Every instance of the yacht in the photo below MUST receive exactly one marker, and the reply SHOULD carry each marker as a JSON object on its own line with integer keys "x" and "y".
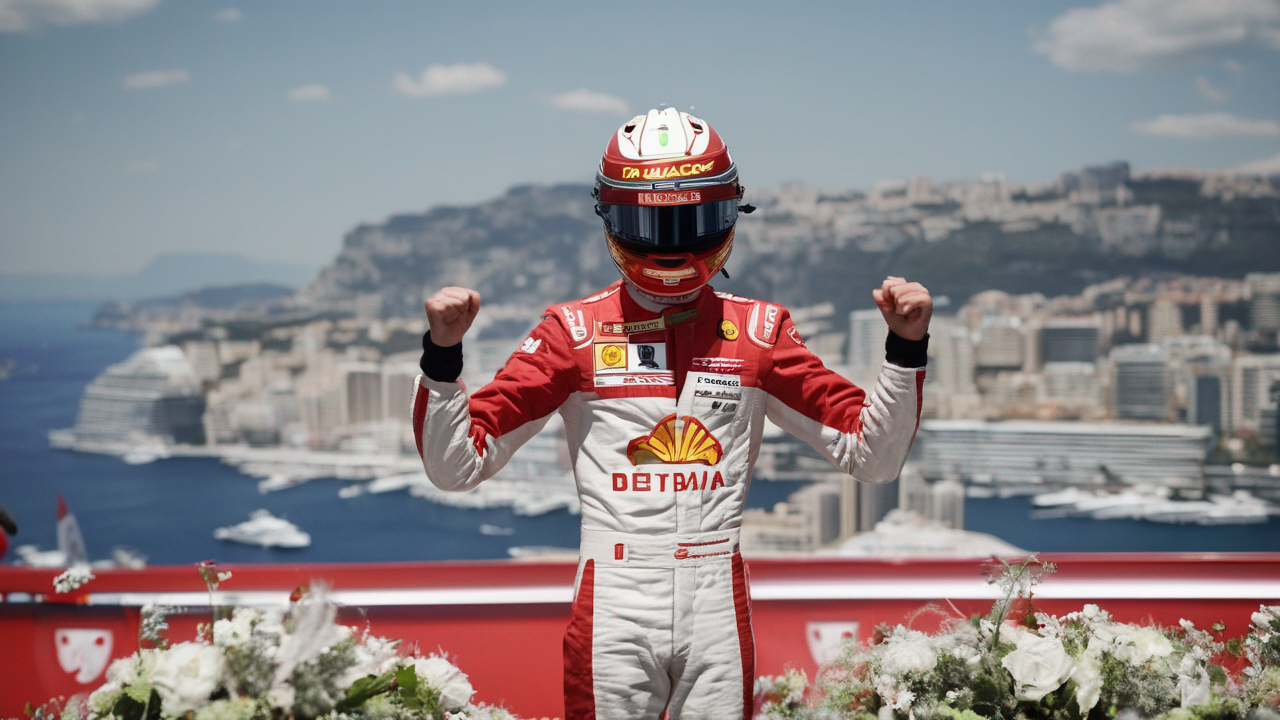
{"x": 264, "y": 529}
{"x": 137, "y": 408}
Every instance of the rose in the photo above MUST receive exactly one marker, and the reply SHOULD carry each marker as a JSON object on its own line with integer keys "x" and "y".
{"x": 185, "y": 676}
{"x": 1088, "y": 679}
{"x": 455, "y": 689}
{"x": 1039, "y": 665}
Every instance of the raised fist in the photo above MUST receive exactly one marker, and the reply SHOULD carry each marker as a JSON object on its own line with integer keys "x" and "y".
{"x": 450, "y": 313}
{"x": 907, "y": 307}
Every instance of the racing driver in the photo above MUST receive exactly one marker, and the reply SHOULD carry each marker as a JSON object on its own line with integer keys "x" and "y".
{"x": 664, "y": 386}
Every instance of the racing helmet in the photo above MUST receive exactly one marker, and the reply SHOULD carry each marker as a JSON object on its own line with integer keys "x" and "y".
{"x": 668, "y": 193}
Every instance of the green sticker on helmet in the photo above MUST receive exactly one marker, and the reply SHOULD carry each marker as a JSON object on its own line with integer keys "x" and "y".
{"x": 662, "y": 138}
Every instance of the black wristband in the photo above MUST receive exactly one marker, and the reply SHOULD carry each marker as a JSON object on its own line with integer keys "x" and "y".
{"x": 906, "y": 353}
{"x": 442, "y": 364}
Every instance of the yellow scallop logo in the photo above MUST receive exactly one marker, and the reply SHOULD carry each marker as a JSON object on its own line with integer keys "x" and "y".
{"x": 728, "y": 330}
{"x": 612, "y": 355}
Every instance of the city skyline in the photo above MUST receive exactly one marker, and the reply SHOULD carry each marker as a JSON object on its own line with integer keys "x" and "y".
{"x": 138, "y": 127}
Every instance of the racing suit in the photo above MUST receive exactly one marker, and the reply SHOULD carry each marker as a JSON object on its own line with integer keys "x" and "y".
{"x": 663, "y": 414}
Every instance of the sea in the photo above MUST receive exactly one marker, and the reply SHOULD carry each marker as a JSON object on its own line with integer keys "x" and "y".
{"x": 168, "y": 510}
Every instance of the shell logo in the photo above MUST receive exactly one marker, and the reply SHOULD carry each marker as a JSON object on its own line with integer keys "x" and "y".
{"x": 673, "y": 441}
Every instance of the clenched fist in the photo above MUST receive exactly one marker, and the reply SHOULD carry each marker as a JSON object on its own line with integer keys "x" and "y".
{"x": 450, "y": 313}
{"x": 907, "y": 307}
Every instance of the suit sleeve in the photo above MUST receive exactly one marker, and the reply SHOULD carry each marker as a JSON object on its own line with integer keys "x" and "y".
{"x": 465, "y": 440}
{"x": 866, "y": 436}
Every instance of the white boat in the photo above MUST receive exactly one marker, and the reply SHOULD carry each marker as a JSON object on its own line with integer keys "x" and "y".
{"x": 264, "y": 529}
{"x": 1239, "y": 508}
{"x": 390, "y": 483}
{"x": 496, "y": 530}
{"x": 280, "y": 481}
{"x": 1062, "y": 498}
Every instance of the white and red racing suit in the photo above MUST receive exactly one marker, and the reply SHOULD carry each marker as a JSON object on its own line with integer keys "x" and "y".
{"x": 663, "y": 414}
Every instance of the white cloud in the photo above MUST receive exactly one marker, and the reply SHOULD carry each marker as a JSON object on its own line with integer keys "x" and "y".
{"x": 449, "y": 80}
{"x": 1207, "y": 125}
{"x": 1233, "y": 65}
{"x": 20, "y": 15}
{"x": 143, "y": 167}
{"x": 156, "y": 79}
{"x": 1209, "y": 90}
{"x": 1265, "y": 166}
{"x": 229, "y": 15}
{"x": 310, "y": 93}
{"x": 1131, "y": 35}
{"x": 586, "y": 101}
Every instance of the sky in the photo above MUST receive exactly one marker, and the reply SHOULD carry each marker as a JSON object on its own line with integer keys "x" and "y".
{"x": 132, "y": 128}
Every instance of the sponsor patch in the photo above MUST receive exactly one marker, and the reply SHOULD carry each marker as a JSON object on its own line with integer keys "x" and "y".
{"x": 718, "y": 364}
{"x": 626, "y": 379}
{"x": 611, "y": 356}
{"x": 530, "y": 345}
{"x": 576, "y": 323}
{"x": 795, "y": 335}
{"x": 621, "y": 363}
{"x": 676, "y": 440}
{"x": 670, "y": 198}
{"x": 764, "y": 323}
{"x": 727, "y": 330}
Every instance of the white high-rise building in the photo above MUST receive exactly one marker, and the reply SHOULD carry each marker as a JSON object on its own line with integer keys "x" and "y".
{"x": 1251, "y": 378}
{"x": 867, "y": 333}
{"x": 1142, "y": 382}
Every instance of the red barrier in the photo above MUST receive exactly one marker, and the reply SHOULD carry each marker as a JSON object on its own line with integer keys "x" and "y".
{"x": 502, "y": 621}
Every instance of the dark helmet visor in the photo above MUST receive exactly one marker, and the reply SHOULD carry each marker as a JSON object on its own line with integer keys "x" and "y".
{"x": 675, "y": 228}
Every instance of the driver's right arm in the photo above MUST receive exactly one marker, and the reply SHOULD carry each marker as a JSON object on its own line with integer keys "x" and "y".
{"x": 463, "y": 441}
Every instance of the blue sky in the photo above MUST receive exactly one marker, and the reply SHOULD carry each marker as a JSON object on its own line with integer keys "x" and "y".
{"x": 130, "y": 128}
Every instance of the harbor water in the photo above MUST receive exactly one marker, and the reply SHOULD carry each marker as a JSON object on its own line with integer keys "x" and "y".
{"x": 167, "y": 510}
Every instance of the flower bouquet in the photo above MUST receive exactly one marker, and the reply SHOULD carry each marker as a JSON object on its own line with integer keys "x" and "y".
{"x": 271, "y": 664}
{"x": 1081, "y": 665}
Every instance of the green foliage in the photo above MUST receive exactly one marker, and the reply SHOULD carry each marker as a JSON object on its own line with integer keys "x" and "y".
{"x": 365, "y": 689}
{"x": 129, "y": 707}
{"x": 416, "y": 695}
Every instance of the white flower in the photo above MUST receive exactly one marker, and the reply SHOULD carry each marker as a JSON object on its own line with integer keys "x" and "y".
{"x": 74, "y": 577}
{"x": 1050, "y": 626}
{"x": 455, "y": 689}
{"x": 1142, "y": 645}
{"x": 1193, "y": 680}
{"x": 1039, "y": 665}
{"x": 1088, "y": 679}
{"x": 904, "y": 699}
{"x": 1265, "y": 616}
{"x": 104, "y": 698}
{"x": 281, "y": 696}
{"x": 184, "y": 676}
{"x": 374, "y": 656}
{"x": 907, "y": 651}
{"x": 238, "y": 630}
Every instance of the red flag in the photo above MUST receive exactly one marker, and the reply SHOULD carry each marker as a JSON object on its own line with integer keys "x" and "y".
{"x": 70, "y": 542}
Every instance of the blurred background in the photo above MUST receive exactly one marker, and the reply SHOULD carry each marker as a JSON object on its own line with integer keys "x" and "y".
{"x": 219, "y": 222}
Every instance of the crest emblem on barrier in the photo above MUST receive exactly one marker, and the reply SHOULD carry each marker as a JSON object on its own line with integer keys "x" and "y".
{"x": 83, "y": 651}
{"x": 676, "y": 440}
